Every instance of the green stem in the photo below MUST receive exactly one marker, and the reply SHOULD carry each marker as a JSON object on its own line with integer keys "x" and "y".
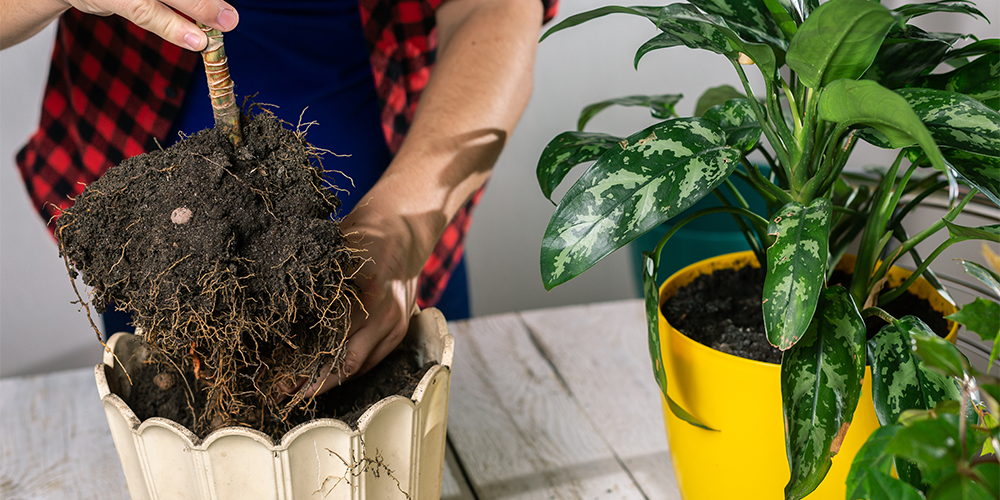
{"x": 914, "y": 241}
{"x": 758, "y": 223}
{"x": 877, "y": 311}
{"x": 871, "y": 238}
{"x": 768, "y": 190}
{"x": 807, "y": 140}
{"x": 779, "y": 147}
{"x": 220, "y": 86}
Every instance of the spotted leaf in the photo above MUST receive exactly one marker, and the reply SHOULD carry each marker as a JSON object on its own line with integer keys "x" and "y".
{"x": 979, "y": 79}
{"x": 646, "y": 179}
{"x": 737, "y": 119}
{"x": 650, "y": 263}
{"x": 660, "y": 106}
{"x": 906, "y": 54}
{"x": 796, "y": 267}
{"x": 900, "y": 380}
{"x": 820, "y": 388}
{"x": 839, "y": 40}
{"x": 577, "y": 19}
{"x": 956, "y": 121}
{"x": 979, "y": 171}
{"x": 566, "y": 151}
{"x": 751, "y": 18}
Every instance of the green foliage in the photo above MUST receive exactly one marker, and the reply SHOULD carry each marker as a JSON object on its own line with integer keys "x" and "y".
{"x": 833, "y": 73}
{"x": 820, "y": 383}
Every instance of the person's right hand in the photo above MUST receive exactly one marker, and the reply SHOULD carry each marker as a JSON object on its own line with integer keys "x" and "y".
{"x": 158, "y": 17}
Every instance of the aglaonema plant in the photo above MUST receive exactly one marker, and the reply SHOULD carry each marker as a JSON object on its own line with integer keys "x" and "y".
{"x": 945, "y": 445}
{"x": 833, "y": 74}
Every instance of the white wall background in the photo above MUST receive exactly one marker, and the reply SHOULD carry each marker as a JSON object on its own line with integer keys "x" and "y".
{"x": 40, "y": 330}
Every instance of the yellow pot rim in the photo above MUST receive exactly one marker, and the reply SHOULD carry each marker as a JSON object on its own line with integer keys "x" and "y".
{"x": 737, "y": 260}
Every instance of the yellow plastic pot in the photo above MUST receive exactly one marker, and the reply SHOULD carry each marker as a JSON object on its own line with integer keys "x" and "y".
{"x": 741, "y": 398}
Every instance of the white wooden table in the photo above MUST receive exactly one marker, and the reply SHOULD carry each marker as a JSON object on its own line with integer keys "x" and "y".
{"x": 547, "y": 404}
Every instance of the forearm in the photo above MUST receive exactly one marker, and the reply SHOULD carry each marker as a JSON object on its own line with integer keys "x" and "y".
{"x": 22, "y": 19}
{"x": 478, "y": 89}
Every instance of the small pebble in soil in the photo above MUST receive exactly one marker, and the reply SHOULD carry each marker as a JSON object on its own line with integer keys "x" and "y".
{"x": 180, "y": 215}
{"x": 164, "y": 380}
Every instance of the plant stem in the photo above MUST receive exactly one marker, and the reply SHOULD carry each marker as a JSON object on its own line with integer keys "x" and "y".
{"x": 220, "y": 86}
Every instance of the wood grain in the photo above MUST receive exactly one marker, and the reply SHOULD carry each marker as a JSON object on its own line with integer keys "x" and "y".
{"x": 601, "y": 352}
{"x": 516, "y": 428}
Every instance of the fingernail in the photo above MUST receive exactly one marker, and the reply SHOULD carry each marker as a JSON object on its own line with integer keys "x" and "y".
{"x": 228, "y": 19}
{"x": 193, "y": 41}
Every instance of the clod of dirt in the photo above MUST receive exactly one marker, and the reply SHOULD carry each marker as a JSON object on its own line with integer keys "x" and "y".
{"x": 228, "y": 259}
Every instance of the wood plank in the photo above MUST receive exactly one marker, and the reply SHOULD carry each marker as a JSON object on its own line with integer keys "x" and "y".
{"x": 54, "y": 441}
{"x": 516, "y": 429}
{"x": 601, "y": 353}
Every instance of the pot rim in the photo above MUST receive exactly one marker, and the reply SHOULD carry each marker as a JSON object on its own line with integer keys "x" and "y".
{"x": 738, "y": 260}
{"x": 430, "y": 319}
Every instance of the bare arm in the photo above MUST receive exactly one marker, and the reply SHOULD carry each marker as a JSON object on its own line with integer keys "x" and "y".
{"x": 21, "y": 19}
{"x": 478, "y": 89}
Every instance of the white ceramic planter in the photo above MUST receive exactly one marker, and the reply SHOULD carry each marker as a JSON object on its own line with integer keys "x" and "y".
{"x": 163, "y": 460}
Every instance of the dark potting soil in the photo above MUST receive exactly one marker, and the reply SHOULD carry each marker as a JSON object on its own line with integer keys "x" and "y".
{"x": 722, "y": 310}
{"x": 158, "y": 392}
{"x": 229, "y": 259}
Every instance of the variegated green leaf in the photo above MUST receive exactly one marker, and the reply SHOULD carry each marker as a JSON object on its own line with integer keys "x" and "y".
{"x": 650, "y": 263}
{"x": 900, "y": 380}
{"x": 750, "y": 18}
{"x": 912, "y": 10}
{"x": 962, "y": 233}
{"x": 865, "y": 102}
{"x": 979, "y": 79}
{"x": 650, "y": 13}
{"x": 694, "y": 28}
{"x": 988, "y": 277}
{"x": 820, "y": 387}
{"x": 956, "y": 121}
{"x": 715, "y": 96}
{"x": 987, "y": 46}
{"x": 934, "y": 351}
{"x": 782, "y": 15}
{"x": 839, "y": 40}
{"x": 983, "y": 317}
{"x": 906, "y": 54}
{"x": 796, "y": 269}
{"x": 699, "y": 30}
{"x": 869, "y": 477}
{"x": 980, "y": 172}
{"x": 660, "y": 41}
{"x": 660, "y": 106}
{"x": 566, "y": 151}
{"x": 648, "y": 178}
{"x": 737, "y": 119}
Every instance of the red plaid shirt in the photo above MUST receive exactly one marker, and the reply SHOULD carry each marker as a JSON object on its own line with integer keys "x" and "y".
{"x": 114, "y": 90}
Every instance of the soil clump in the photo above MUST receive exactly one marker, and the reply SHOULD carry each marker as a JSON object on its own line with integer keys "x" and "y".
{"x": 722, "y": 310}
{"x": 398, "y": 374}
{"x": 229, "y": 260}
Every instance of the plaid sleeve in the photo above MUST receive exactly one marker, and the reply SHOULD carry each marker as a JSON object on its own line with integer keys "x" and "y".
{"x": 113, "y": 90}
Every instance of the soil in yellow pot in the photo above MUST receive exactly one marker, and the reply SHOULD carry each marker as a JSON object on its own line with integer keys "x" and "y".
{"x": 741, "y": 398}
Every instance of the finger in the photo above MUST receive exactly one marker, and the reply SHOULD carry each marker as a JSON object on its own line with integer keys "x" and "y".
{"x": 156, "y": 17}
{"x": 372, "y": 343}
{"x": 327, "y": 379}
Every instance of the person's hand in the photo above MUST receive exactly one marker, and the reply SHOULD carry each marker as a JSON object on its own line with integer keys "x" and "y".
{"x": 387, "y": 284}
{"x": 162, "y": 19}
